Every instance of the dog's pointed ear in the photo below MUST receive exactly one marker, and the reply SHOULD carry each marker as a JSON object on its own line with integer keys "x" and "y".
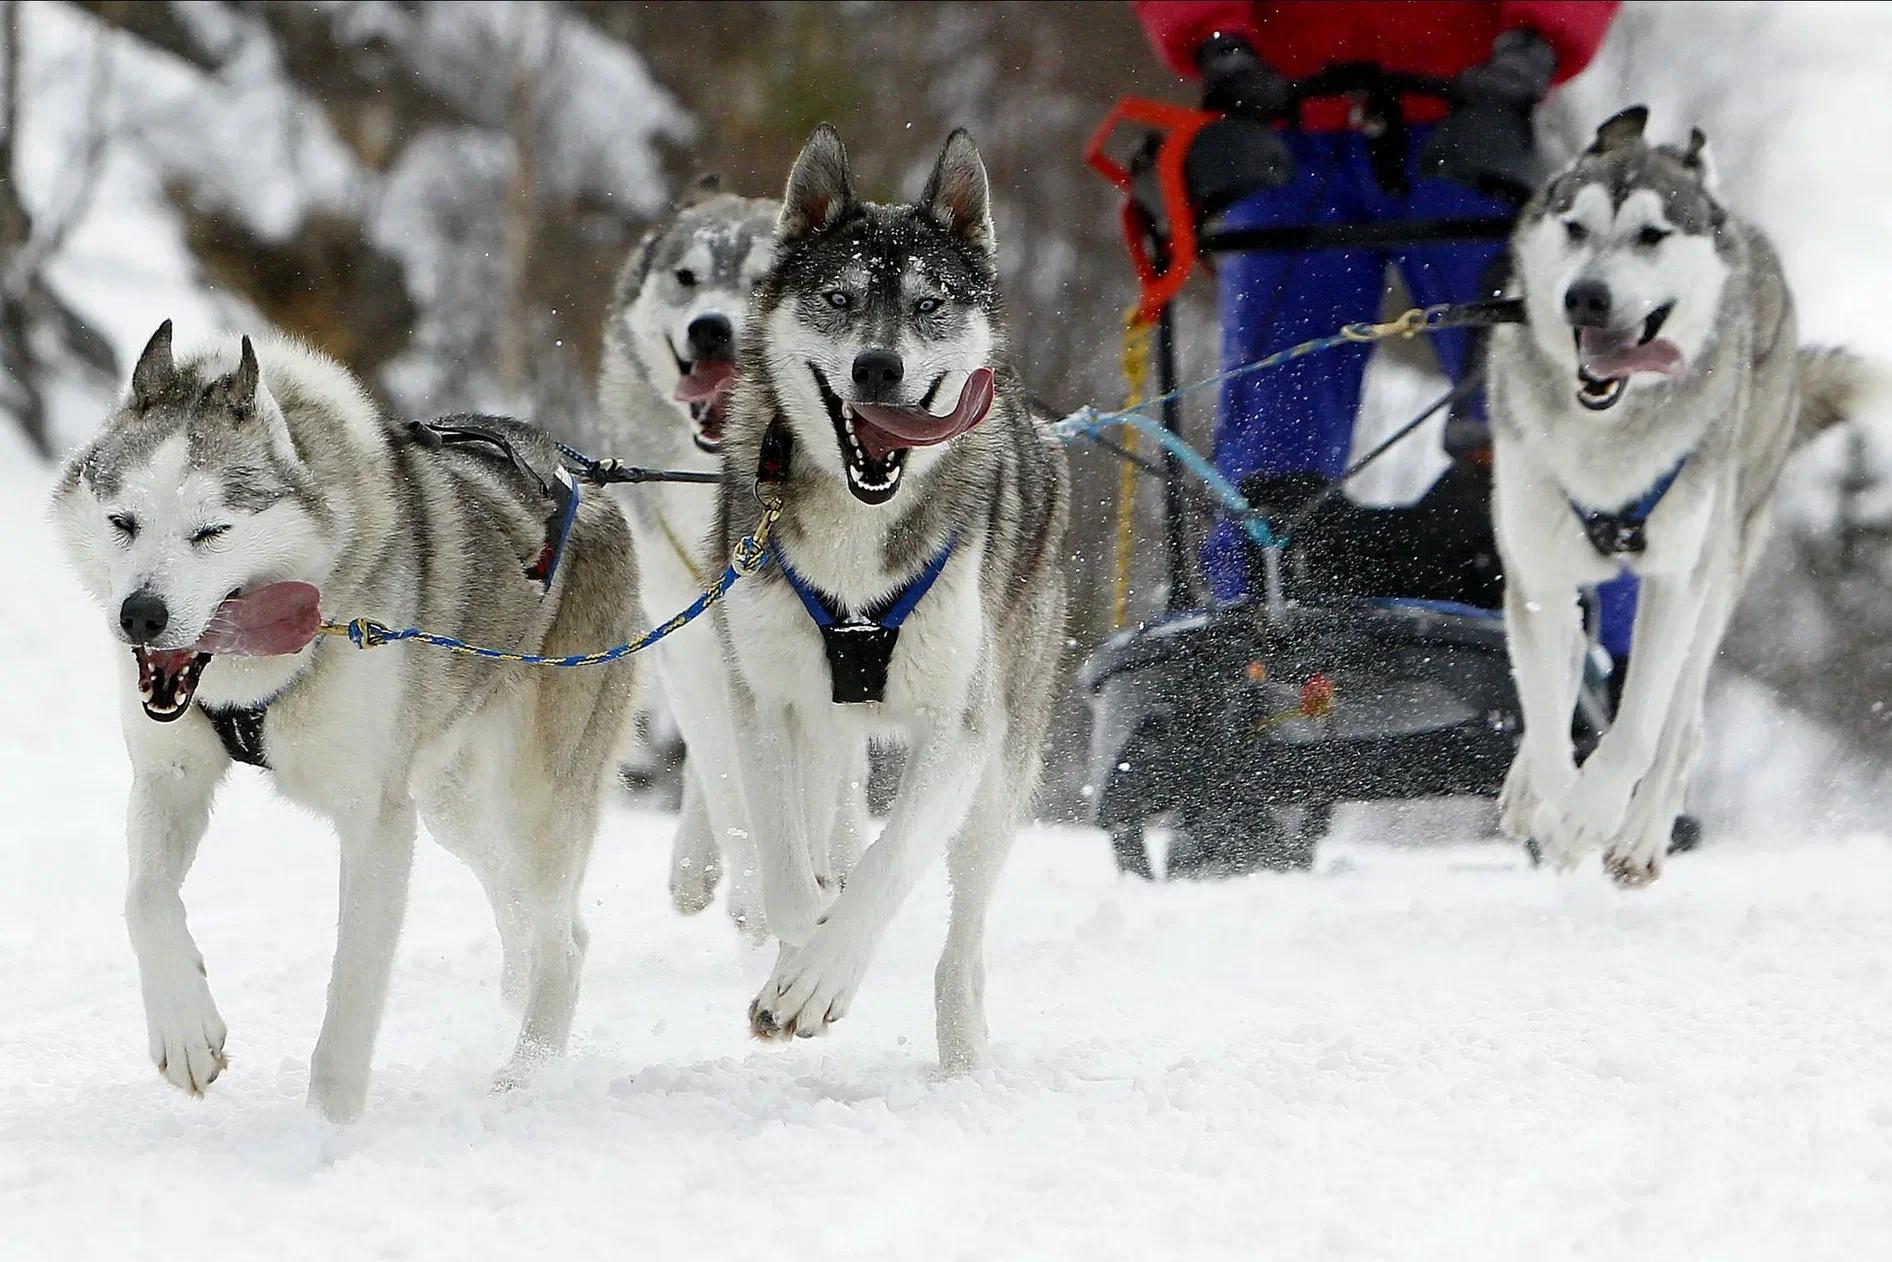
{"x": 819, "y": 188}
{"x": 1620, "y": 129}
{"x": 705, "y": 186}
{"x": 1698, "y": 159}
{"x": 155, "y": 370}
{"x": 238, "y": 390}
{"x": 958, "y": 196}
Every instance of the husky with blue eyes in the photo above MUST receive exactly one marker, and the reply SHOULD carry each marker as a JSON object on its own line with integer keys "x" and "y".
{"x": 1641, "y": 417}
{"x": 240, "y": 491}
{"x": 914, "y": 594}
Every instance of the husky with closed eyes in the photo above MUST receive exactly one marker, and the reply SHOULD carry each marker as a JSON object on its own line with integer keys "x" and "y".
{"x": 915, "y": 594}
{"x": 1641, "y": 417}
{"x": 675, "y": 321}
{"x": 232, "y": 490}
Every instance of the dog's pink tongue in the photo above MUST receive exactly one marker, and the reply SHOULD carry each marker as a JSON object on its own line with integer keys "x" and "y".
{"x": 279, "y": 618}
{"x": 883, "y": 430}
{"x": 1607, "y": 354}
{"x": 705, "y": 381}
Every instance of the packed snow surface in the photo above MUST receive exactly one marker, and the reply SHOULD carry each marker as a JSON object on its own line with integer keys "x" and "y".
{"x": 1425, "y": 1050}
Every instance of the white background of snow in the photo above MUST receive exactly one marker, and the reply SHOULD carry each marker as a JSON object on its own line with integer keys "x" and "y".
{"x": 1416, "y": 1053}
{"x": 1427, "y": 1052}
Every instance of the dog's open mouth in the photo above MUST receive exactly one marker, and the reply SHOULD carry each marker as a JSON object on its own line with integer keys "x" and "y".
{"x": 704, "y": 385}
{"x": 268, "y": 621}
{"x": 1606, "y": 358}
{"x": 874, "y": 437}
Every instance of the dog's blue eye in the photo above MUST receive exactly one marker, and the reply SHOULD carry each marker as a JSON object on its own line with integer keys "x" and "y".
{"x": 208, "y": 533}
{"x": 686, "y": 278}
{"x": 838, "y": 299}
{"x": 1577, "y": 232}
{"x": 125, "y": 524}
{"x": 1652, "y": 235}
{"x": 926, "y": 306}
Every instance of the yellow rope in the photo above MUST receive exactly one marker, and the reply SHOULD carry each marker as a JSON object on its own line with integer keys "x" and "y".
{"x": 690, "y": 566}
{"x": 1136, "y": 376}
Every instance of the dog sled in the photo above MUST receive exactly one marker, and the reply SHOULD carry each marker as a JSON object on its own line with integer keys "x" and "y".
{"x": 1369, "y": 661}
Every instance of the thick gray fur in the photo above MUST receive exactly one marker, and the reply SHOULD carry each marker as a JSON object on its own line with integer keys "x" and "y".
{"x": 504, "y": 763}
{"x": 972, "y": 680}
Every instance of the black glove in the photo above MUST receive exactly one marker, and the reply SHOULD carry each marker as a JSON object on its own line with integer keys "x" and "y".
{"x": 1488, "y": 142}
{"x": 1235, "y": 80}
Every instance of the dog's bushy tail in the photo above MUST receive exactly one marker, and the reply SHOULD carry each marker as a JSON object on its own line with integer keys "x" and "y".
{"x": 1837, "y": 385}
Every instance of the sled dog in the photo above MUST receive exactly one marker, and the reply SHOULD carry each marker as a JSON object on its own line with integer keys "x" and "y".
{"x": 230, "y": 487}
{"x": 1641, "y": 417}
{"x": 675, "y": 320}
{"x": 915, "y": 594}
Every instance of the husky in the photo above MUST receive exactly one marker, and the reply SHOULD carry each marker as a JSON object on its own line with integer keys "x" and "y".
{"x": 1641, "y": 416}
{"x": 230, "y": 487}
{"x": 915, "y": 594}
{"x": 676, "y": 317}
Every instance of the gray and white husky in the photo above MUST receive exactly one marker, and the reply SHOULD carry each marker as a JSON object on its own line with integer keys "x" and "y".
{"x": 230, "y": 487}
{"x": 676, "y": 318}
{"x": 1641, "y": 418}
{"x": 916, "y": 594}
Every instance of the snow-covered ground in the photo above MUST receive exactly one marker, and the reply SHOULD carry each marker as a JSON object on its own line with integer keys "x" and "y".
{"x": 1427, "y": 1051}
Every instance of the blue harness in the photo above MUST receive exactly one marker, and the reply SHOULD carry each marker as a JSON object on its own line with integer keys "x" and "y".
{"x": 860, "y": 646}
{"x": 1624, "y": 532}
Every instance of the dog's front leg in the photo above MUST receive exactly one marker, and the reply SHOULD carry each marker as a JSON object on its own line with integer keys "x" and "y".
{"x": 1633, "y": 856}
{"x": 1671, "y": 614}
{"x": 773, "y": 752}
{"x": 166, "y": 818}
{"x": 377, "y": 857}
{"x": 812, "y": 987}
{"x": 1544, "y": 632}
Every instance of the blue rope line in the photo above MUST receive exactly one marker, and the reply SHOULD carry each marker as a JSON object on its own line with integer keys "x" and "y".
{"x": 752, "y": 553}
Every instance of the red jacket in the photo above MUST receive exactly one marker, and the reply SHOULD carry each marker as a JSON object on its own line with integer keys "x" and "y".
{"x": 1433, "y": 37}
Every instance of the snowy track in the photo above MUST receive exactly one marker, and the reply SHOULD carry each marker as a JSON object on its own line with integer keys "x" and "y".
{"x": 1416, "y": 1053}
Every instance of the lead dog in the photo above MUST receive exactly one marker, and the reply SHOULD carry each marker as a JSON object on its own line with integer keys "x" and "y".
{"x": 677, "y": 315}
{"x": 915, "y": 595}
{"x": 223, "y": 484}
{"x": 1641, "y": 419}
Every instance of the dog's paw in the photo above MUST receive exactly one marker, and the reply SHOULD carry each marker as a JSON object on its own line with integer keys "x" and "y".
{"x": 1634, "y": 859}
{"x": 186, "y": 1034}
{"x": 339, "y": 1098}
{"x": 1528, "y": 805}
{"x": 812, "y": 988}
{"x": 1632, "y": 868}
{"x": 696, "y": 868}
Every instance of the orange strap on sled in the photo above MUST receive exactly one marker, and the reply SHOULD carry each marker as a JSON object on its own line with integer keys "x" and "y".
{"x": 1178, "y": 125}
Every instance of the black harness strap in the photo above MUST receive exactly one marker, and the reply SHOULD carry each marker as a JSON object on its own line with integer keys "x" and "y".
{"x": 859, "y": 646}
{"x": 241, "y": 732}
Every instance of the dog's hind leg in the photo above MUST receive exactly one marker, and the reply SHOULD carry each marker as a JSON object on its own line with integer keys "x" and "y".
{"x": 166, "y": 818}
{"x": 557, "y": 830}
{"x": 848, "y": 833}
{"x": 1544, "y": 633}
{"x": 696, "y": 861}
{"x": 775, "y": 780}
{"x": 973, "y": 864}
{"x": 377, "y": 858}
{"x": 458, "y": 816}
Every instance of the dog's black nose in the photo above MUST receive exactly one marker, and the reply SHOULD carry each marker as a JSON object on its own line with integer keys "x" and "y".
{"x": 1587, "y": 304}
{"x": 877, "y": 372}
{"x": 143, "y": 616}
{"x": 710, "y": 337}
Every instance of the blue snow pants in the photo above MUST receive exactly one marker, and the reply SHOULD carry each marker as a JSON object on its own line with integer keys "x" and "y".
{"x": 1299, "y": 418}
